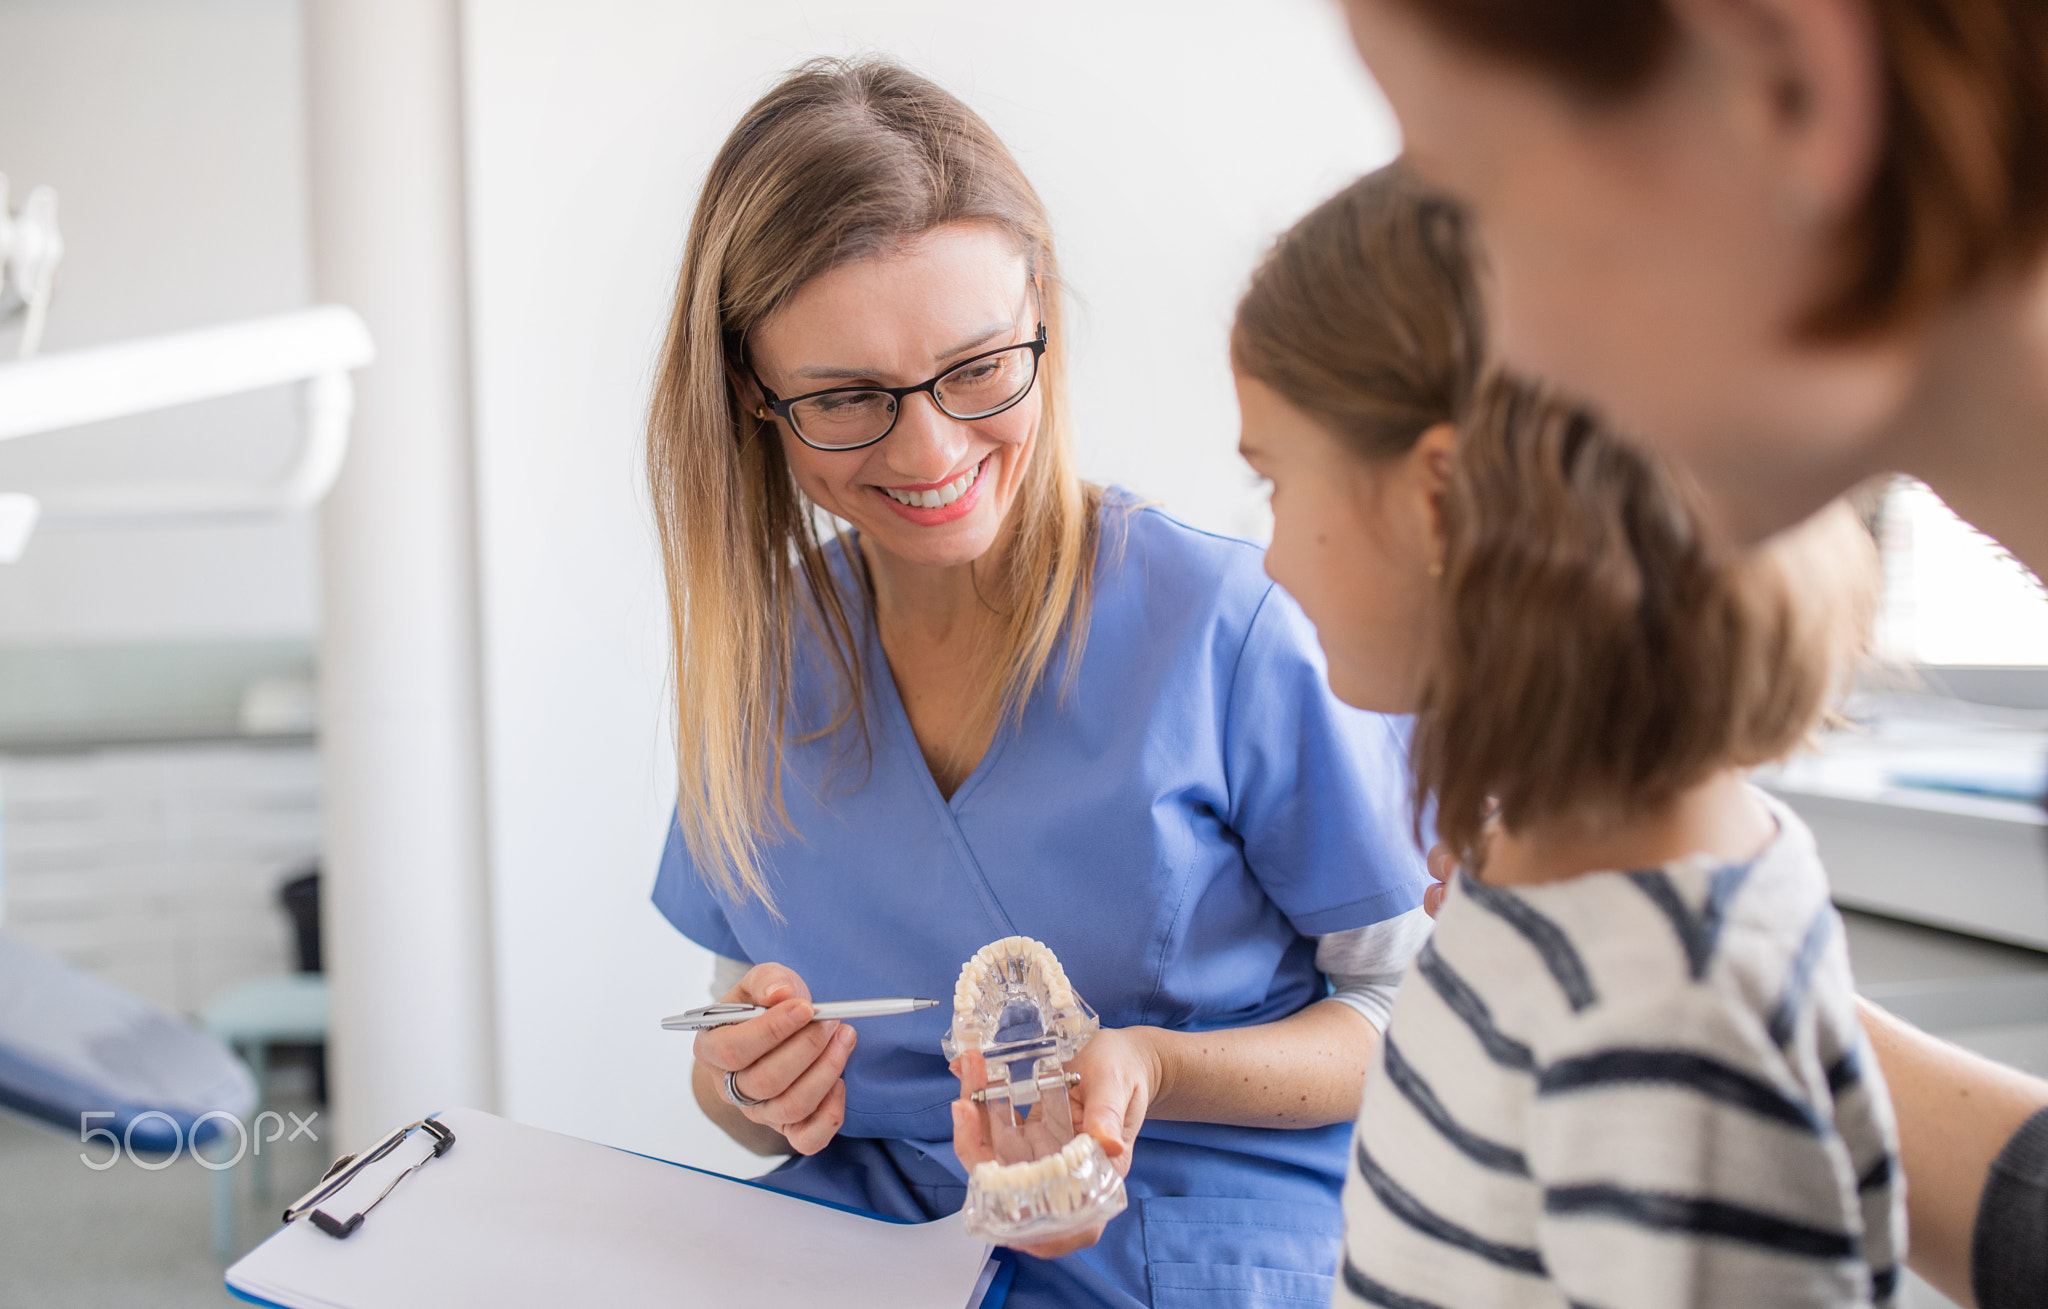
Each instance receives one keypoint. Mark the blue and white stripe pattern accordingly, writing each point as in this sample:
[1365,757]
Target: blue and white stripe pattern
[1628,1091]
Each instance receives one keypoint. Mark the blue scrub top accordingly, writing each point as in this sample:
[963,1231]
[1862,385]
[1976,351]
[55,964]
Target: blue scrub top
[1177,825]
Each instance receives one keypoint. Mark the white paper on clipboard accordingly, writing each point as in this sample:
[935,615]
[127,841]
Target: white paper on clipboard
[515,1216]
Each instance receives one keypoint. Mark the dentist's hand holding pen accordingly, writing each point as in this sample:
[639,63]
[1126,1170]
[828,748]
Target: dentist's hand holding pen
[784,1071]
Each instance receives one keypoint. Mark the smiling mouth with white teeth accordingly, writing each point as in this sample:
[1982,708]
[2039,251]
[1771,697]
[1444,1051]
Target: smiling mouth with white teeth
[940,497]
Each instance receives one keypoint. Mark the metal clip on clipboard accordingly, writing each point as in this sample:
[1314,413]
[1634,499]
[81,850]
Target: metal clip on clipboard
[343,1171]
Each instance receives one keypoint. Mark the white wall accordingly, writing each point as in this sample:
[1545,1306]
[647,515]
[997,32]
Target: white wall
[1171,139]
[174,134]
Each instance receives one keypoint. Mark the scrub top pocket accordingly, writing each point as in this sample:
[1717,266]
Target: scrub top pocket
[1260,1254]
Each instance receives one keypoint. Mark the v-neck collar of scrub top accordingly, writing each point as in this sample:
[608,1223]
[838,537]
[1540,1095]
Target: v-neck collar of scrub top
[890,701]
[947,810]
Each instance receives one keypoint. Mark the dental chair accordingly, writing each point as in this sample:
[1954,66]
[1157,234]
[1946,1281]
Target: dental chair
[83,1055]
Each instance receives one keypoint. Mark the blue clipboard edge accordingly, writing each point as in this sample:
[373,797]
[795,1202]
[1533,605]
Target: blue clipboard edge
[998,1289]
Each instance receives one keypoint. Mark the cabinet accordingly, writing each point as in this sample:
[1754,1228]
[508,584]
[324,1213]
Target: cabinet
[157,866]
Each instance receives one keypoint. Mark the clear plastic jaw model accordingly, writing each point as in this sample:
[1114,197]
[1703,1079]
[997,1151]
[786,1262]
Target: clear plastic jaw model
[1015,1010]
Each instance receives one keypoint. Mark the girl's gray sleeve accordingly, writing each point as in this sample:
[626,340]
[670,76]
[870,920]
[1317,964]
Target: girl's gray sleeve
[2009,1248]
[1364,965]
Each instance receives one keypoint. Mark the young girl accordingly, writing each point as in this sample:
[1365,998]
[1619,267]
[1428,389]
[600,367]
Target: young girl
[1627,1069]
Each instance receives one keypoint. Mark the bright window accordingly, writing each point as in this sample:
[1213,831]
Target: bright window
[1952,595]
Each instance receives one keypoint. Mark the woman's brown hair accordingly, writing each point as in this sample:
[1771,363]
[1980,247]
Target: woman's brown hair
[1596,653]
[840,161]
[1365,315]
[1961,185]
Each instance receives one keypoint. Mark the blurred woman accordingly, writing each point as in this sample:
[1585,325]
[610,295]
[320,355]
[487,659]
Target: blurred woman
[1793,243]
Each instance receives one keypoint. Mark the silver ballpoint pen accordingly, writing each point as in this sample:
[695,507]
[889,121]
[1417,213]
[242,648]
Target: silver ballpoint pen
[718,1015]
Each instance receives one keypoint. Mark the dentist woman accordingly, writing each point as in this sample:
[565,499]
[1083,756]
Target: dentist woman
[1000,702]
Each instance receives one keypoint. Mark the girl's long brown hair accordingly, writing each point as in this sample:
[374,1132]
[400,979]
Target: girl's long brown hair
[1365,315]
[1597,653]
[842,160]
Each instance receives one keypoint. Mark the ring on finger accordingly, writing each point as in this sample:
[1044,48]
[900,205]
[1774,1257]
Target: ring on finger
[739,1097]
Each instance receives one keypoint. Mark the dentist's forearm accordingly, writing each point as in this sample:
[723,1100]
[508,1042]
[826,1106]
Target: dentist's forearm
[1307,1070]
[1956,1111]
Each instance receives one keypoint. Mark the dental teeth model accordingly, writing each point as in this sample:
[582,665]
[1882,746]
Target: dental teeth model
[1068,1191]
[1014,1007]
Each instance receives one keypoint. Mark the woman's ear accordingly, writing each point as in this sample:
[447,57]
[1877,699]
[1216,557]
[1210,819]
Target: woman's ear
[1807,77]
[745,392]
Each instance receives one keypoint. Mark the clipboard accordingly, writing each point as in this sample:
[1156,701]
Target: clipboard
[511,1216]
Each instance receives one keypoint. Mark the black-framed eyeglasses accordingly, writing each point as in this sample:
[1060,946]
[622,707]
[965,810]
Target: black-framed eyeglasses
[854,417]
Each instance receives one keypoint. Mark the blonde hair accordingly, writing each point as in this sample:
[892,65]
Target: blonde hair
[1597,654]
[841,161]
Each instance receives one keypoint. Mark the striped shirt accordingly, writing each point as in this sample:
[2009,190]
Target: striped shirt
[1629,1090]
